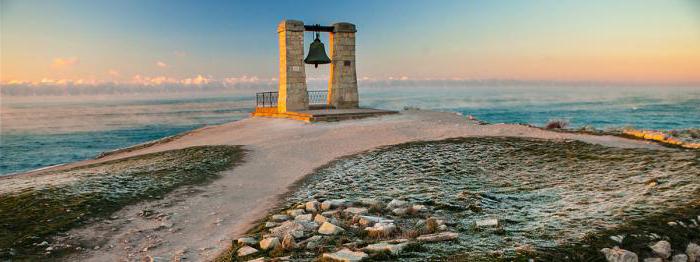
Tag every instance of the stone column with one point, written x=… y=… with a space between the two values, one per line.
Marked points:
x=342 y=86
x=292 y=80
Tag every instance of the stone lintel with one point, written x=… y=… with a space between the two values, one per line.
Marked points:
x=290 y=25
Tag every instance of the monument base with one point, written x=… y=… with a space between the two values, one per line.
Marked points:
x=321 y=115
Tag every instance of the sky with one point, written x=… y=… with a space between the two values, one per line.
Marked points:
x=194 y=42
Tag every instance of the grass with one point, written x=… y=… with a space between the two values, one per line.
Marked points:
x=35 y=215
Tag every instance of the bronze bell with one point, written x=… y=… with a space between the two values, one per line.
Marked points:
x=317 y=53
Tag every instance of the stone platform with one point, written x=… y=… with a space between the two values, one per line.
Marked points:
x=319 y=115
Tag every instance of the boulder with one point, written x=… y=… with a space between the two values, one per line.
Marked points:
x=279 y=218
x=437 y=237
x=269 y=243
x=384 y=247
x=355 y=211
x=312 y=206
x=295 y=212
x=329 y=229
x=381 y=229
x=662 y=249
x=679 y=258
x=693 y=252
x=396 y=204
x=491 y=222
x=345 y=255
x=617 y=254
x=332 y=204
x=305 y=217
x=246 y=250
x=247 y=241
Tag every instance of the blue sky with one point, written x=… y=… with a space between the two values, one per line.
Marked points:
x=529 y=40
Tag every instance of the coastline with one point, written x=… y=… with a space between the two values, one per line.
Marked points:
x=281 y=153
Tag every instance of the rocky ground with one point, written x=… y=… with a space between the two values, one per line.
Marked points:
x=484 y=199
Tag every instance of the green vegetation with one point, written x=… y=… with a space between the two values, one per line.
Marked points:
x=34 y=215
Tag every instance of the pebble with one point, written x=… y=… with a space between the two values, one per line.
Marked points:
x=345 y=255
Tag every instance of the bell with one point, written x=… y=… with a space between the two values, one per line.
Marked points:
x=317 y=53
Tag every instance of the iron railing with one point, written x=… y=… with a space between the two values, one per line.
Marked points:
x=269 y=99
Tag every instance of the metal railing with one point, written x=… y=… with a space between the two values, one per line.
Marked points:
x=269 y=99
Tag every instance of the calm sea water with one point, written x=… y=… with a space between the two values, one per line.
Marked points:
x=46 y=131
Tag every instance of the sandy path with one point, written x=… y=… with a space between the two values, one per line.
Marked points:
x=281 y=152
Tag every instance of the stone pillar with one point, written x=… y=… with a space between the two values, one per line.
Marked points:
x=342 y=86
x=292 y=80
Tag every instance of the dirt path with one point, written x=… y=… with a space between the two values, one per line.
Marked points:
x=197 y=223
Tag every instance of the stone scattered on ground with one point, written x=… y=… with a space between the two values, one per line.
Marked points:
x=617 y=254
x=384 y=247
x=269 y=243
x=332 y=204
x=247 y=241
x=329 y=229
x=680 y=258
x=662 y=249
x=245 y=251
x=345 y=255
x=491 y=222
x=443 y=236
x=279 y=218
x=693 y=252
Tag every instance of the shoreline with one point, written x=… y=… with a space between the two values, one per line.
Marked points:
x=281 y=153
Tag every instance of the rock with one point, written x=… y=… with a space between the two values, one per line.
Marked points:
x=653 y=259
x=355 y=211
x=616 y=254
x=443 y=236
x=680 y=258
x=370 y=220
x=270 y=224
x=442 y=227
x=693 y=252
x=313 y=242
x=396 y=204
x=308 y=225
x=618 y=238
x=329 y=229
x=320 y=219
x=371 y=202
x=288 y=242
x=491 y=222
x=306 y=217
x=295 y=212
x=330 y=213
x=297 y=233
x=247 y=241
x=43 y=243
x=286 y=228
x=246 y=250
x=381 y=229
x=384 y=247
x=662 y=249
x=279 y=218
x=260 y=259
x=332 y=204
x=399 y=211
x=345 y=255
x=269 y=243
x=312 y=206
x=419 y=208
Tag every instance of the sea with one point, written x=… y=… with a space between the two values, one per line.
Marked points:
x=42 y=131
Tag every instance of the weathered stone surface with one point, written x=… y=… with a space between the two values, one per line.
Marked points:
x=371 y=202
x=491 y=222
x=396 y=204
x=399 y=211
x=662 y=249
x=247 y=241
x=308 y=225
x=288 y=227
x=270 y=224
x=260 y=259
x=288 y=242
x=269 y=243
x=329 y=229
x=295 y=212
x=313 y=206
x=313 y=242
x=330 y=213
x=693 y=252
x=383 y=247
x=381 y=229
x=305 y=217
x=419 y=208
x=246 y=250
x=443 y=236
x=370 y=220
x=680 y=258
x=355 y=210
x=345 y=255
x=617 y=254
x=653 y=259
x=279 y=218
x=320 y=219
x=332 y=204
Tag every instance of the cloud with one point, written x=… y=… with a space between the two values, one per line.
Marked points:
x=113 y=72
x=161 y=64
x=64 y=62
x=180 y=53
